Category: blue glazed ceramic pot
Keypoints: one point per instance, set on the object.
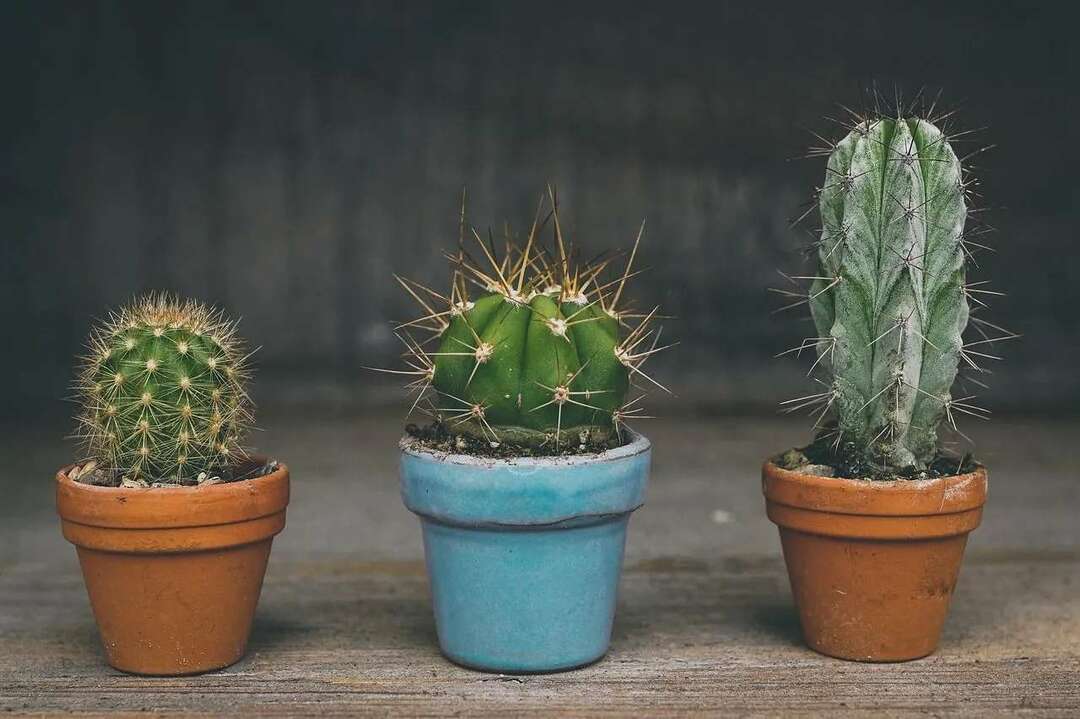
(524, 555)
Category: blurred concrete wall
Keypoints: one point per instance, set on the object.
(283, 159)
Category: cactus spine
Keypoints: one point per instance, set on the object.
(546, 351)
(162, 392)
(889, 299)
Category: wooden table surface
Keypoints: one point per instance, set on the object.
(705, 622)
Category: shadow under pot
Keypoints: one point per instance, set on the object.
(174, 573)
(873, 565)
(524, 555)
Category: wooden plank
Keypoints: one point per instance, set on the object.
(337, 636)
(705, 621)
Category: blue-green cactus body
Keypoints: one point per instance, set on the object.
(889, 301)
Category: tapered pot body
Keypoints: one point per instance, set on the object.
(873, 565)
(524, 555)
(174, 574)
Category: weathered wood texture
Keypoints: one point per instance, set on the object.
(705, 622)
(338, 637)
(283, 159)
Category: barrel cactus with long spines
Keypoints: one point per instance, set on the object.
(162, 392)
(545, 354)
(889, 299)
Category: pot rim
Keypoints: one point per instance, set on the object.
(865, 509)
(172, 507)
(470, 491)
(638, 444)
(902, 497)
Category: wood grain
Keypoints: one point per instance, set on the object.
(338, 637)
(705, 623)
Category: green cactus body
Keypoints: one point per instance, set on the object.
(163, 393)
(524, 370)
(889, 301)
(542, 358)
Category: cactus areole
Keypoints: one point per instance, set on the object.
(532, 349)
(162, 392)
(889, 298)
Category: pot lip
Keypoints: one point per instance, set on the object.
(467, 491)
(902, 497)
(638, 444)
(172, 507)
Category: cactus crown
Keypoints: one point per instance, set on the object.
(162, 391)
(889, 297)
(535, 350)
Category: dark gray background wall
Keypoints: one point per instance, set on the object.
(282, 159)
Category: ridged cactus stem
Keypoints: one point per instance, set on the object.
(543, 356)
(162, 392)
(888, 298)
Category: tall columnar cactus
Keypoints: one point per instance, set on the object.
(162, 392)
(545, 353)
(889, 298)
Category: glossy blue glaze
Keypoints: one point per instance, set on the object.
(524, 555)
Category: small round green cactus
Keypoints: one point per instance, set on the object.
(162, 392)
(544, 354)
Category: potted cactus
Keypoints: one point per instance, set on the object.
(526, 477)
(171, 518)
(874, 514)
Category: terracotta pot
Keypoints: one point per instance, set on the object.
(873, 565)
(174, 574)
